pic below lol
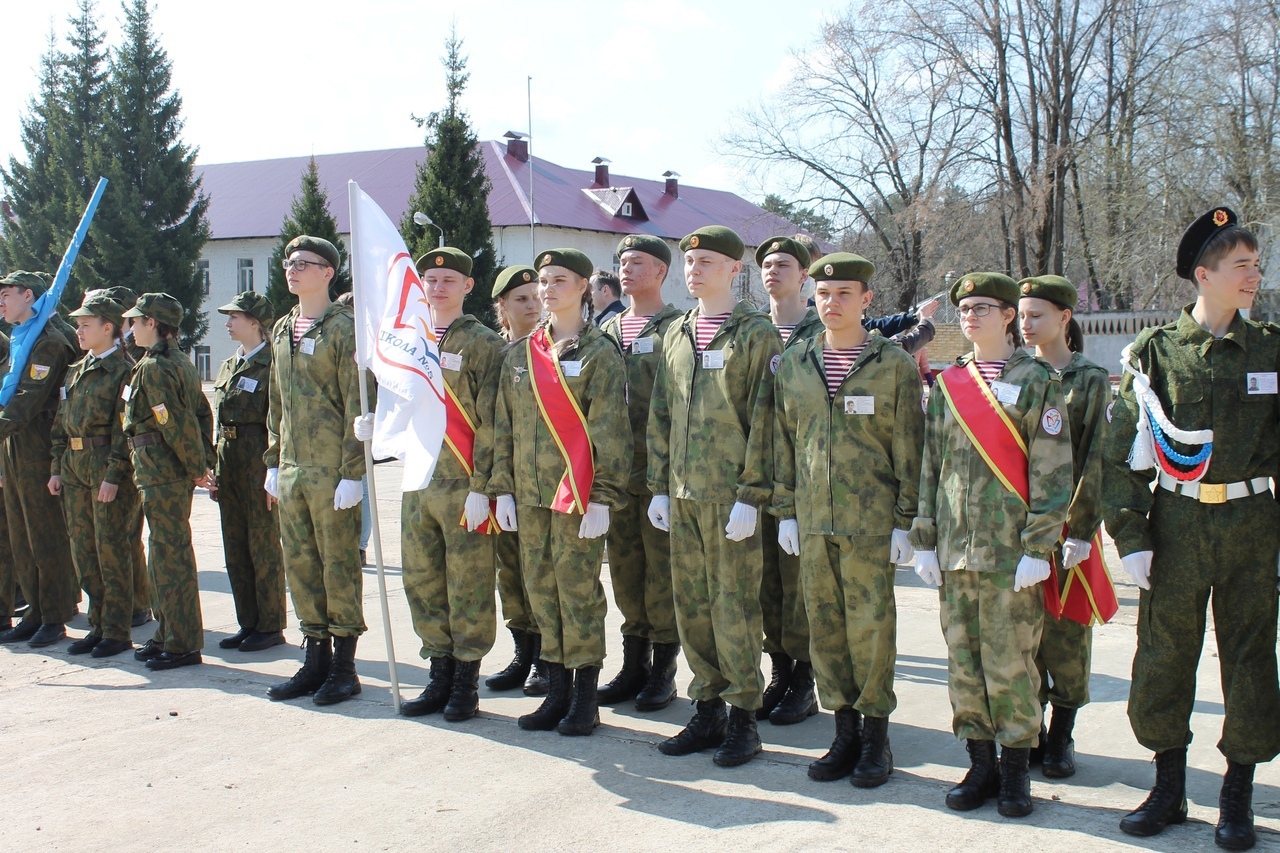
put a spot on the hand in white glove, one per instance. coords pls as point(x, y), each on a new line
point(595, 523)
point(362, 426)
point(1138, 566)
point(660, 513)
point(477, 510)
point(348, 494)
point(900, 550)
point(272, 483)
point(789, 536)
point(927, 567)
point(1031, 571)
point(742, 522)
point(507, 513)
point(1075, 551)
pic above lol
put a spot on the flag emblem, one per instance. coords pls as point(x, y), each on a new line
point(161, 413)
point(39, 371)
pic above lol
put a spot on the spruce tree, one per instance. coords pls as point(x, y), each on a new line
point(452, 188)
point(309, 214)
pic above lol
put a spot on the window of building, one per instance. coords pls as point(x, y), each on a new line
point(626, 208)
point(202, 267)
point(204, 364)
point(244, 275)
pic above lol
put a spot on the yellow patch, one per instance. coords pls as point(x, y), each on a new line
point(161, 413)
point(693, 242)
point(38, 371)
point(1219, 218)
point(1026, 287)
point(968, 287)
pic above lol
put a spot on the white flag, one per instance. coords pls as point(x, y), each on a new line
point(395, 340)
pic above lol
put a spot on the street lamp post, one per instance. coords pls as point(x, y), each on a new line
point(420, 218)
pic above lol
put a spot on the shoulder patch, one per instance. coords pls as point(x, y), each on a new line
point(161, 413)
point(774, 362)
point(38, 371)
point(1110, 407)
point(1051, 423)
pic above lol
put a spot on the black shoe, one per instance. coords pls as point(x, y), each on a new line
point(779, 681)
point(342, 683)
point(109, 648)
point(515, 672)
point(875, 762)
point(630, 680)
point(800, 703)
point(436, 694)
point(1235, 809)
point(140, 618)
point(148, 650)
point(24, 630)
point(705, 730)
point(741, 739)
point(1015, 782)
point(84, 645)
point(318, 657)
point(364, 558)
point(555, 706)
point(172, 661)
point(258, 641)
point(234, 641)
point(1059, 761)
point(659, 691)
point(981, 783)
point(464, 697)
point(1167, 802)
point(845, 749)
point(47, 635)
point(538, 683)
point(584, 710)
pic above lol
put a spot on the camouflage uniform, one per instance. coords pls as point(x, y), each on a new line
point(710, 439)
point(846, 522)
point(980, 531)
point(168, 411)
point(448, 571)
point(639, 553)
point(315, 397)
point(89, 449)
point(8, 577)
point(562, 571)
point(250, 531)
point(1227, 550)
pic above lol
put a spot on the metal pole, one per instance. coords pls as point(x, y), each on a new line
point(533, 249)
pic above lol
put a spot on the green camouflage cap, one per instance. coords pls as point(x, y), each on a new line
point(1055, 288)
point(445, 257)
point(126, 296)
point(100, 305)
point(570, 259)
point(717, 238)
point(30, 280)
point(255, 305)
point(315, 245)
point(160, 307)
point(842, 266)
point(994, 284)
point(513, 277)
point(785, 245)
point(648, 244)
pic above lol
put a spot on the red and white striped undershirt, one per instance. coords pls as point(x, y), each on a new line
point(632, 326)
point(836, 364)
point(440, 330)
point(991, 369)
point(785, 331)
point(300, 327)
point(707, 326)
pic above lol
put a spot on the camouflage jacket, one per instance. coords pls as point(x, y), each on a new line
point(242, 391)
point(1202, 383)
point(526, 459)
point(35, 399)
point(710, 430)
point(315, 395)
point(92, 405)
point(474, 380)
point(841, 473)
point(1086, 388)
point(808, 328)
point(966, 513)
point(164, 396)
point(642, 361)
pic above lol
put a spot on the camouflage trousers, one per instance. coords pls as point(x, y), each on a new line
point(101, 547)
point(640, 572)
point(1064, 659)
point(848, 588)
point(321, 554)
point(511, 592)
point(448, 573)
point(250, 536)
point(992, 634)
point(1232, 558)
point(142, 594)
point(172, 561)
point(38, 536)
point(717, 593)
point(782, 597)
point(562, 578)
point(8, 576)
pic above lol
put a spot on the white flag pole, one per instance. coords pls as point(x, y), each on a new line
point(368, 466)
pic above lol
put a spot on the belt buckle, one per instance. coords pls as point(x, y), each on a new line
point(229, 431)
point(1213, 493)
point(77, 444)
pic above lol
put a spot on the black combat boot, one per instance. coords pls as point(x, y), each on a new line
point(584, 711)
point(845, 749)
point(464, 697)
point(630, 680)
point(1167, 802)
point(436, 694)
point(516, 672)
point(705, 730)
point(538, 682)
point(1235, 809)
point(779, 681)
point(315, 669)
point(660, 689)
point(1059, 761)
point(800, 702)
point(741, 739)
point(1015, 782)
point(981, 783)
point(876, 760)
point(556, 705)
point(342, 682)
point(1037, 751)
point(24, 630)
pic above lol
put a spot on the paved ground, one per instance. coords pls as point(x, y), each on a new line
point(107, 755)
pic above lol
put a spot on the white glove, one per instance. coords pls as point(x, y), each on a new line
point(742, 522)
point(660, 513)
point(362, 426)
point(1138, 566)
point(272, 483)
point(900, 550)
point(477, 509)
point(348, 494)
point(507, 513)
point(1075, 551)
point(1031, 570)
point(595, 523)
point(789, 536)
point(927, 567)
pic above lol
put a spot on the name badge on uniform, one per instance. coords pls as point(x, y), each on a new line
point(62, 393)
point(640, 346)
point(860, 405)
point(713, 359)
point(126, 393)
point(1262, 383)
point(451, 360)
point(571, 368)
point(308, 346)
point(1006, 393)
point(247, 384)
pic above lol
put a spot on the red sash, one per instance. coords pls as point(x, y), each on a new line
point(984, 421)
point(565, 421)
point(460, 437)
point(1088, 596)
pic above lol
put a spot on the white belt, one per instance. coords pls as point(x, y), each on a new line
point(1216, 493)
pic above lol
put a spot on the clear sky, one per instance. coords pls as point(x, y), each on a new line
point(650, 84)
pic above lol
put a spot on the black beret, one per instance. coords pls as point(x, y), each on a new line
point(315, 245)
point(1055, 288)
point(842, 266)
point(648, 244)
point(513, 277)
point(1197, 235)
point(446, 257)
point(994, 284)
point(717, 238)
point(570, 259)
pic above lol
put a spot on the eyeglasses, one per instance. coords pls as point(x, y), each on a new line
point(982, 309)
point(299, 265)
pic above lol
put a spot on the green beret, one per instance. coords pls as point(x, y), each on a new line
point(100, 306)
point(160, 307)
point(842, 266)
point(648, 244)
point(1055, 288)
point(786, 246)
point(446, 257)
point(29, 280)
point(256, 305)
point(1198, 235)
point(994, 284)
point(717, 238)
point(570, 259)
point(315, 245)
point(513, 277)
point(126, 296)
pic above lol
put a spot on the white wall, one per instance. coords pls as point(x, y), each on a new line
point(222, 256)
